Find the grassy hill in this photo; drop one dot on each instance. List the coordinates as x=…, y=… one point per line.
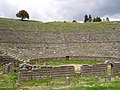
x=15, y=24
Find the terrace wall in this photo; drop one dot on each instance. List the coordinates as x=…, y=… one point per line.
x=94, y=70
x=36, y=73
x=29, y=72
x=115, y=68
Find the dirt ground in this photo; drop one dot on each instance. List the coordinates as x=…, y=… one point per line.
x=77, y=66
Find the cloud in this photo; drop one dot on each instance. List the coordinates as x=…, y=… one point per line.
x=51, y=10
x=6, y=9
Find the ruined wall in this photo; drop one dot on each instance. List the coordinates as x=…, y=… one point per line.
x=36, y=73
x=4, y=59
x=8, y=68
x=115, y=68
x=29, y=72
x=93, y=58
x=94, y=70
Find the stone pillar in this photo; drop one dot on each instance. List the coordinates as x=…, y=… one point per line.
x=3, y=69
x=51, y=83
x=19, y=79
x=11, y=67
x=67, y=81
x=96, y=78
x=109, y=77
x=6, y=68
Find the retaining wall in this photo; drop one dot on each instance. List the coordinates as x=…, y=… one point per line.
x=28, y=72
x=36, y=73
x=115, y=68
x=7, y=59
x=94, y=70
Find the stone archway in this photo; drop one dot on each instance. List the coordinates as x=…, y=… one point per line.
x=110, y=66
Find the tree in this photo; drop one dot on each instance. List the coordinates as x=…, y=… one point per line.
x=86, y=18
x=22, y=14
x=107, y=19
x=97, y=19
x=74, y=21
x=90, y=18
x=94, y=19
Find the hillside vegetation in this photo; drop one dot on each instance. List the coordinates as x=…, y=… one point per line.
x=15, y=24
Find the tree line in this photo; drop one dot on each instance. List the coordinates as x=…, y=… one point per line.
x=87, y=18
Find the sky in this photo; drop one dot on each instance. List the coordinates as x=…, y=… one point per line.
x=61, y=10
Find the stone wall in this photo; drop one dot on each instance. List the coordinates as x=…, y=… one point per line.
x=29, y=72
x=94, y=70
x=115, y=68
x=8, y=68
x=33, y=61
x=93, y=58
x=36, y=73
x=4, y=59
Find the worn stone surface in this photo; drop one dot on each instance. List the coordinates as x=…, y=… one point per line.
x=33, y=44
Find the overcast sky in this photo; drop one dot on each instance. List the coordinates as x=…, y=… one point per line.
x=57, y=10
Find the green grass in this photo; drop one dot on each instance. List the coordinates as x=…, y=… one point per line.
x=58, y=82
x=76, y=83
x=8, y=80
x=15, y=24
x=8, y=88
x=13, y=89
x=45, y=82
x=64, y=62
x=1, y=68
x=98, y=86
